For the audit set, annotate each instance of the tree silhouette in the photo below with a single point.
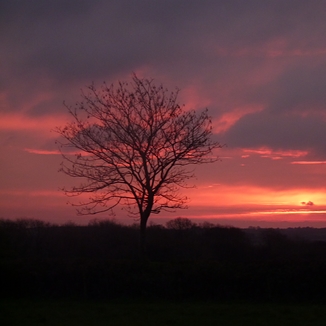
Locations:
(132, 144)
(180, 223)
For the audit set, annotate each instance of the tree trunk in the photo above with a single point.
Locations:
(144, 215)
(142, 242)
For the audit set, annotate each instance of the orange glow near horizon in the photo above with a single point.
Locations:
(218, 195)
(308, 162)
(207, 201)
(238, 203)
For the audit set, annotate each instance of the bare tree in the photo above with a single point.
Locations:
(132, 144)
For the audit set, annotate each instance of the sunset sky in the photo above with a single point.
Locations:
(259, 66)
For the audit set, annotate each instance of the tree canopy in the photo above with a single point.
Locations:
(132, 144)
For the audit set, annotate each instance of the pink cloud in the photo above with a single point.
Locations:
(32, 193)
(228, 119)
(42, 152)
(17, 122)
(274, 154)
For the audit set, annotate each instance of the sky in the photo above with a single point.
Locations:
(258, 66)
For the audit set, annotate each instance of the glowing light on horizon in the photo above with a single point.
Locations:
(285, 211)
(308, 162)
(279, 215)
(215, 195)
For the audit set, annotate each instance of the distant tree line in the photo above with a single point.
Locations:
(185, 261)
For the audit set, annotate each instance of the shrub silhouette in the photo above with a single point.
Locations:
(180, 223)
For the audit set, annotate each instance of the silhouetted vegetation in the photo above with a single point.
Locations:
(185, 261)
(134, 146)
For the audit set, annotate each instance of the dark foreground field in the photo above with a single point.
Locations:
(70, 313)
(193, 275)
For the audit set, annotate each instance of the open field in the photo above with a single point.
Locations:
(203, 275)
(199, 263)
(39, 312)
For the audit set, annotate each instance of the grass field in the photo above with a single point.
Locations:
(25, 312)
